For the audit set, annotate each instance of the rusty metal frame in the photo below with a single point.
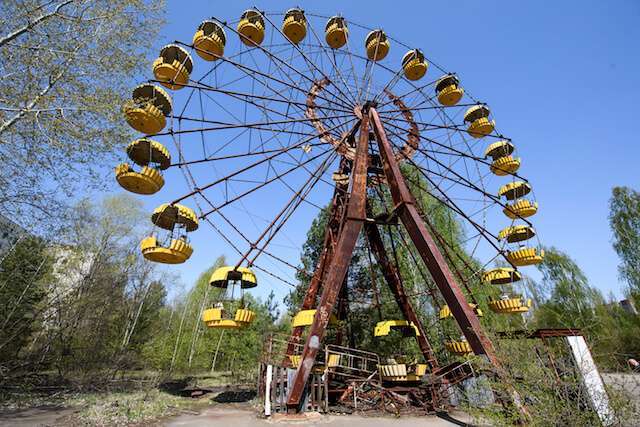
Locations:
(331, 234)
(337, 253)
(405, 207)
(352, 222)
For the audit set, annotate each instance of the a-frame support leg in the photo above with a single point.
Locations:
(337, 208)
(337, 269)
(333, 225)
(392, 278)
(405, 207)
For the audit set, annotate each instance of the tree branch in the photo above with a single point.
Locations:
(11, 36)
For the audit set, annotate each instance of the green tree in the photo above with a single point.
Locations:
(567, 300)
(624, 218)
(570, 300)
(104, 294)
(23, 274)
(67, 66)
(188, 346)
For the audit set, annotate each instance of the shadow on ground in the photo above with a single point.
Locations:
(235, 396)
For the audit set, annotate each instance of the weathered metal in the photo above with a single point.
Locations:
(348, 235)
(405, 207)
(404, 204)
(333, 226)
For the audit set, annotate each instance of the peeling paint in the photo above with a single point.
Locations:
(314, 342)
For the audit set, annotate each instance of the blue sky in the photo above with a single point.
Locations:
(561, 79)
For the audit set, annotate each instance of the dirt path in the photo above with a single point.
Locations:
(47, 415)
(220, 417)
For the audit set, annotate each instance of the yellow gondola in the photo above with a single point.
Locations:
(516, 233)
(209, 40)
(251, 27)
(507, 305)
(414, 64)
(144, 152)
(514, 190)
(459, 348)
(170, 217)
(377, 45)
(334, 360)
(146, 112)
(402, 372)
(173, 67)
(503, 163)
(445, 311)
(499, 149)
(305, 318)
(167, 216)
(225, 278)
(177, 252)
(448, 90)
(223, 275)
(336, 32)
(479, 123)
(406, 328)
(294, 25)
(503, 166)
(525, 256)
(217, 318)
(520, 209)
(501, 276)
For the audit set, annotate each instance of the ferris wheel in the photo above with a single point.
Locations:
(267, 119)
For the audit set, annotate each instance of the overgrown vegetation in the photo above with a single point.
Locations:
(66, 66)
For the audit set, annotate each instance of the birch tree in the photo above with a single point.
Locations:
(66, 66)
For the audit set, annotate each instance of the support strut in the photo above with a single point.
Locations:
(404, 205)
(309, 301)
(338, 250)
(348, 235)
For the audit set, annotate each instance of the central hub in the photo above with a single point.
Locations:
(343, 141)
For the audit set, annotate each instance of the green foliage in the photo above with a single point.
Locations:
(624, 218)
(567, 300)
(86, 304)
(23, 274)
(68, 65)
(552, 393)
(571, 301)
(187, 346)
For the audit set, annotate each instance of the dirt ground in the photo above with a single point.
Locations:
(241, 415)
(220, 416)
(46, 415)
(237, 417)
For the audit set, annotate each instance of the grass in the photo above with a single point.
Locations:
(137, 407)
(122, 403)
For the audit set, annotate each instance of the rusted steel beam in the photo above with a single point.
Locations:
(337, 269)
(392, 278)
(333, 226)
(427, 248)
(404, 204)
(337, 210)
